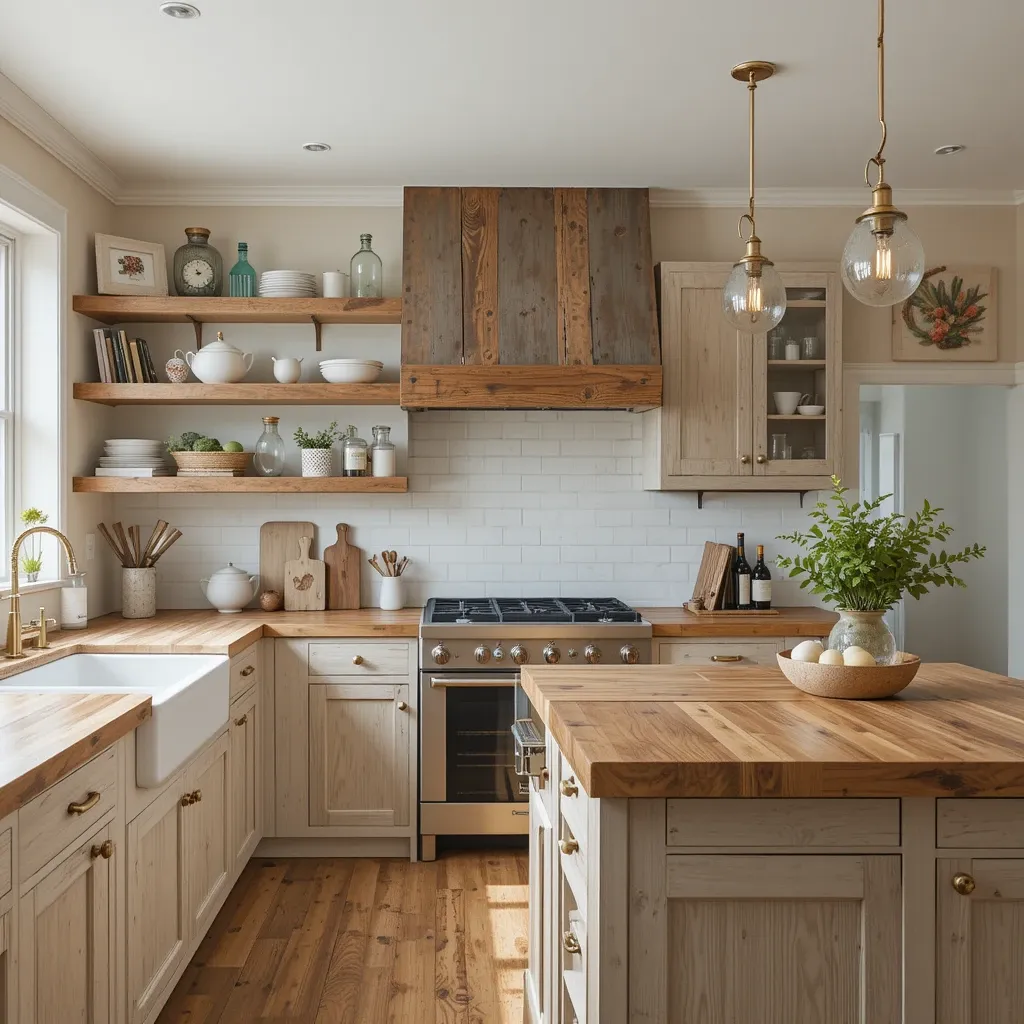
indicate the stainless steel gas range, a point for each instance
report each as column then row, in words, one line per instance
column 470, row 654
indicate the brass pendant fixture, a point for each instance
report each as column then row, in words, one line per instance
column 754, row 298
column 883, row 260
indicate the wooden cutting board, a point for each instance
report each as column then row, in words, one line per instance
column 344, row 567
column 710, row 585
column 278, row 543
column 304, row 579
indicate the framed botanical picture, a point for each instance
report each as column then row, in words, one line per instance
column 126, row 266
column 951, row 317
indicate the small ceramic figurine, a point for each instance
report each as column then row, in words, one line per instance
column 176, row 370
column 271, row 601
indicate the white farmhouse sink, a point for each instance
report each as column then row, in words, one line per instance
column 189, row 692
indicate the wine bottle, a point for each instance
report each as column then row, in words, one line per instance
column 741, row 576
column 761, row 582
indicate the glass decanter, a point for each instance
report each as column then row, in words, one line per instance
column 242, row 279
column 366, row 271
column 268, row 455
column 355, row 454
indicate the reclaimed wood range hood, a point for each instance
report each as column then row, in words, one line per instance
column 529, row 298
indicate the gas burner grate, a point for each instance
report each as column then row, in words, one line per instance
column 600, row 609
column 538, row 609
column 471, row 610
column 533, row 609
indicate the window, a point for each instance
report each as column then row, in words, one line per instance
column 7, row 468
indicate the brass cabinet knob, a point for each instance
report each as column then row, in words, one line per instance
column 403, row 706
column 568, row 846
column 104, row 850
column 761, row 460
column 744, row 459
column 570, row 943
column 186, row 799
column 86, row 805
column 357, row 659
column 197, row 795
column 964, row 884
column 247, row 671
column 243, row 719
column 569, row 787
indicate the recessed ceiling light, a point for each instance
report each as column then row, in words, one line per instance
column 174, row 9
column 949, row 150
column 316, row 147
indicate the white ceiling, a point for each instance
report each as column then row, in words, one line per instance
column 626, row 92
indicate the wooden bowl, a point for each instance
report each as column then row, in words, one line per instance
column 199, row 463
column 846, row 682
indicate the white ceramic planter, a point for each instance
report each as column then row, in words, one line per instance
column 138, row 593
column 391, row 595
column 316, row 461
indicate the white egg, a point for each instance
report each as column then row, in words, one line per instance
column 857, row 657
column 831, row 658
column 808, row 650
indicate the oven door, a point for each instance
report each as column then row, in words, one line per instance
column 467, row 754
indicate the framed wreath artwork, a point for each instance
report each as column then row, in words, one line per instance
column 951, row 317
column 126, row 266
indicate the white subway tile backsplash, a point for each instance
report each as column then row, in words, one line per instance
column 500, row 503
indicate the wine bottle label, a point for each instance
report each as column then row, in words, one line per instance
column 355, row 458
column 744, row 590
column 761, row 590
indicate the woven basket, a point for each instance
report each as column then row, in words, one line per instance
column 234, row 461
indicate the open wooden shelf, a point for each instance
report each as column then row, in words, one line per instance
column 241, row 485
column 181, row 309
column 796, row 364
column 238, row 394
column 805, row 303
column 796, row 416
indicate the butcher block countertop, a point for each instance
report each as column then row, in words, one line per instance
column 675, row 731
column 44, row 736
column 678, row 622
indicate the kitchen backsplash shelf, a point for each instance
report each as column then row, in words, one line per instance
column 238, row 394
column 241, row 485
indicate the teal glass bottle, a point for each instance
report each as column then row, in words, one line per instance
column 366, row 272
column 242, row 279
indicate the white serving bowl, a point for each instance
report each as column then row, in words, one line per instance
column 810, row 410
column 350, row 371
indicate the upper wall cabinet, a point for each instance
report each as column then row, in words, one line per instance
column 746, row 412
column 529, row 298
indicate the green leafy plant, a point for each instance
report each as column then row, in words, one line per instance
column 861, row 561
column 32, row 554
column 325, row 439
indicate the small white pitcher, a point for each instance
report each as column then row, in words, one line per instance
column 287, row 370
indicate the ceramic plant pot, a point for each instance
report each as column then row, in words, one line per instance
column 316, row 461
column 864, row 629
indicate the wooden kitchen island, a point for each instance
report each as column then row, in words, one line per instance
column 714, row 846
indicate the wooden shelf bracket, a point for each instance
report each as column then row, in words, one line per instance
column 197, row 326
column 318, row 328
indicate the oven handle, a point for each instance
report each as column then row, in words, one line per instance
column 450, row 682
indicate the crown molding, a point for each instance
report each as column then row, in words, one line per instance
column 28, row 117
column 859, row 198
column 261, row 195
column 930, row 372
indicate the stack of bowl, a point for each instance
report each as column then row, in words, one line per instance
column 350, row 371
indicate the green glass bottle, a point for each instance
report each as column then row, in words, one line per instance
column 242, row 279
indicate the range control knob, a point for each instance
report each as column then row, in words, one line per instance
column 441, row 654
column 552, row 655
column 571, row 652
column 592, row 653
column 519, row 654
column 629, row 654
column 482, row 655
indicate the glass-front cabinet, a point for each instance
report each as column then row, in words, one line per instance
column 746, row 412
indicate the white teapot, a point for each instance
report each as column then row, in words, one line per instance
column 230, row 589
column 219, row 362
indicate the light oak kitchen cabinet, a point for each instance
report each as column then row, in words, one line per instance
column 246, row 759
column 718, row 415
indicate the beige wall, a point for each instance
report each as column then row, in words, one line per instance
column 87, row 213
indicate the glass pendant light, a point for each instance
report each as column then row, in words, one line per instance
column 883, row 261
column 754, row 299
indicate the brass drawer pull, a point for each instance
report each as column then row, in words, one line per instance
column 726, row 657
column 568, row 846
column 104, row 850
column 569, row 787
column 357, row 659
column 570, row 943
column 964, row 884
column 247, row 671
column 86, row 805
column 243, row 719
column 402, row 706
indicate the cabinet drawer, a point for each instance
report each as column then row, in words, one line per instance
column 769, row 822
column 65, row 811
column 996, row 823
column 572, row 805
column 359, row 659
column 723, row 652
column 245, row 670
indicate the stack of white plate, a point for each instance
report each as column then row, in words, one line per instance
column 350, row 371
column 127, row 456
column 287, row 284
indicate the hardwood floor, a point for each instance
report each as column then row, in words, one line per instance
column 364, row 942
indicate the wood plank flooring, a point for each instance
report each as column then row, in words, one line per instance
column 316, row 941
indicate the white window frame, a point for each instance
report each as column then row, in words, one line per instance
column 8, row 340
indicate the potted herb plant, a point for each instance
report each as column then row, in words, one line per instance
column 317, row 449
column 32, row 552
column 863, row 563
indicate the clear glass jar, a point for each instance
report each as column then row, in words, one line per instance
column 242, row 279
column 777, row 344
column 268, row 455
column 382, row 454
column 366, row 272
column 864, row 629
column 355, row 454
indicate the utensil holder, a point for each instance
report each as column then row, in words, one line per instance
column 391, row 595
column 138, row 593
